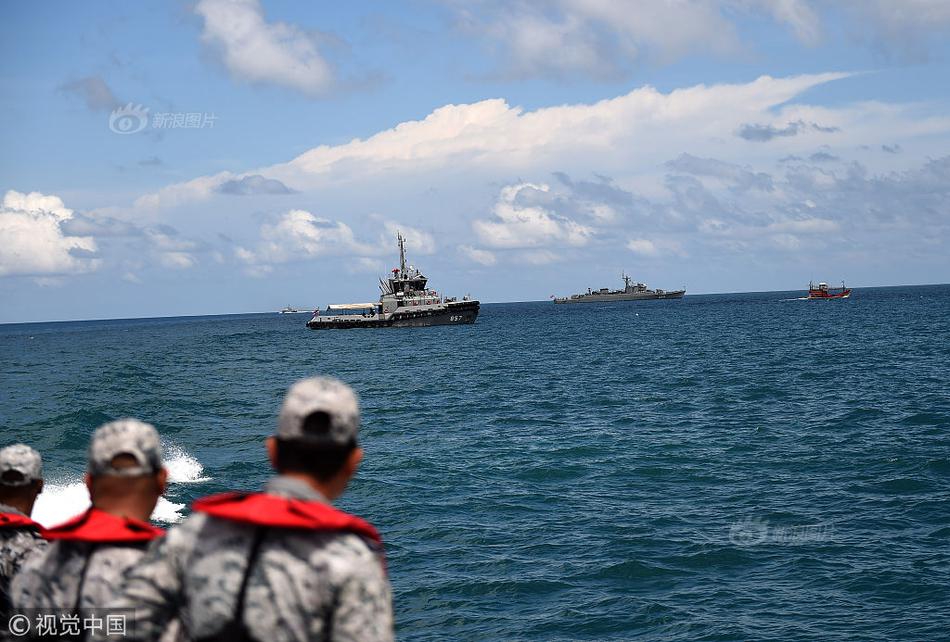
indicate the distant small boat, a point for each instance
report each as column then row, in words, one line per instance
column 293, row 310
column 822, row 291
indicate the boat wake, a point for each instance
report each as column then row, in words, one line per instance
column 64, row 497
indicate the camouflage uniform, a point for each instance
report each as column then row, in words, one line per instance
column 302, row 585
column 17, row 543
column 86, row 574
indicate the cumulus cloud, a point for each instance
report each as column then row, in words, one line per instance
column 643, row 247
column 417, row 241
column 594, row 37
column 94, row 91
column 823, row 157
column 604, row 38
column 298, row 235
column 738, row 177
column 492, row 136
column 253, row 184
column 170, row 249
column 260, row 52
column 516, row 224
column 762, row 133
column 32, row 239
column 483, row 257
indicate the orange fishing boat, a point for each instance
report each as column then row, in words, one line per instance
column 822, row 291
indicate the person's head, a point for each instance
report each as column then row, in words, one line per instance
column 21, row 477
column 316, row 436
column 125, row 475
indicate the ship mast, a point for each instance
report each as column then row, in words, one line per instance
column 402, row 254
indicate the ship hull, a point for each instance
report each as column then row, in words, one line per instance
column 826, row 295
column 455, row 313
column 623, row 296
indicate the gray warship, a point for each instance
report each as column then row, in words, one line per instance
column 630, row 292
column 404, row 302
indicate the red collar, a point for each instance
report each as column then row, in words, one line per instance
column 283, row 512
column 16, row 520
column 99, row 526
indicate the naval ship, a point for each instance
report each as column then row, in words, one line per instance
column 404, row 302
column 630, row 292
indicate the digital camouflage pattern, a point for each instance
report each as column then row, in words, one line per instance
column 16, row 546
column 320, row 394
column 22, row 459
column 125, row 437
column 305, row 585
column 52, row 579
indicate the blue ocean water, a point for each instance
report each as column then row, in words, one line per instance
column 727, row 467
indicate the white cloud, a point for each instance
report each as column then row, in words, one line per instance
column 517, row 225
column 298, row 235
column 714, row 194
column 33, row 242
column 177, row 260
column 604, row 38
column 491, row 136
column 417, row 241
column 477, row 255
column 599, row 37
column 262, row 52
column 170, row 249
column 643, row 247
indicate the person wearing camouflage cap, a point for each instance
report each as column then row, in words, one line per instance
column 21, row 481
column 88, row 555
column 282, row 564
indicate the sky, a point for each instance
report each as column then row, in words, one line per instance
column 220, row 156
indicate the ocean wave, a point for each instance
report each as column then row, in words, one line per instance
column 182, row 467
column 66, row 497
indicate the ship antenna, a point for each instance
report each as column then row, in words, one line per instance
column 402, row 253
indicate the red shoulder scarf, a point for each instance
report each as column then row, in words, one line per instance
column 283, row 512
column 99, row 526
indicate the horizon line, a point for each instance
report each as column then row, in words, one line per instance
column 231, row 314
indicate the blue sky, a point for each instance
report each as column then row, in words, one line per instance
column 525, row 148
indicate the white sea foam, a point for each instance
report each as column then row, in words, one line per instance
column 182, row 467
column 64, row 498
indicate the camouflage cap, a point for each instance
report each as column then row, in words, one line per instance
column 320, row 395
column 22, row 459
column 125, row 437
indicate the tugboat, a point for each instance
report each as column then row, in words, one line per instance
column 630, row 292
column 822, row 291
column 404, row 302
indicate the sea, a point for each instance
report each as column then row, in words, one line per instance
column 723, row 467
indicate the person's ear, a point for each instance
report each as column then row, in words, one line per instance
column 271, row 444
column 88, row 479
column 39, row 487
column 353, row 461
column 162, row 478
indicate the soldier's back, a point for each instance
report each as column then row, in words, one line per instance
column 300, row 584
column 56, row 577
